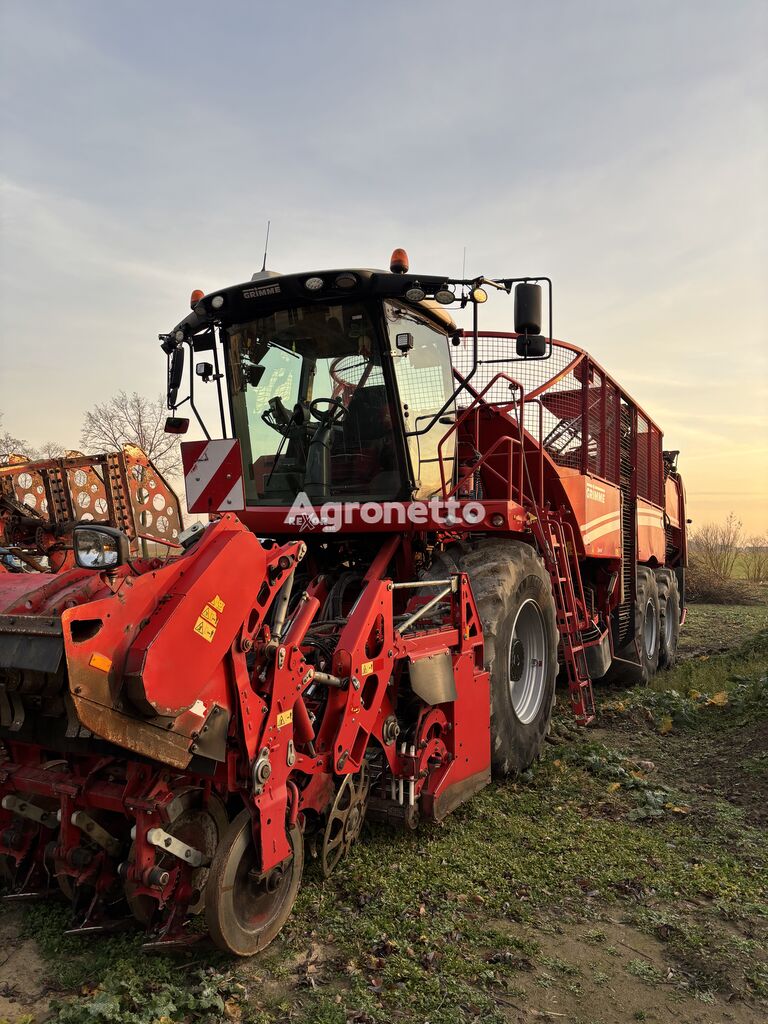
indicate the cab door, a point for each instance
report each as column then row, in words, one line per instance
column 424, row 379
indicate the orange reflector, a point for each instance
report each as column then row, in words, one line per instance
column 398, row 264
column 195, row 297
column 101, row 662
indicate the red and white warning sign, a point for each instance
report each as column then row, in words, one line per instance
column 213, row 475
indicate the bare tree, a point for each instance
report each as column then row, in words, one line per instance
column 754, row 558
column 51, row 450
column 132, row 419
column 715, row 547
column 11, row 445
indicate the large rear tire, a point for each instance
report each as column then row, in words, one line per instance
column 514, row 598
column 669, row 617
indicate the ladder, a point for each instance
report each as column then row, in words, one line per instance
column 553, row 534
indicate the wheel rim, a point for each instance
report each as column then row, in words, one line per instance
column 649, row 629
column 527, row 661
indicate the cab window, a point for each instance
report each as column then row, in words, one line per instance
column 424, row 377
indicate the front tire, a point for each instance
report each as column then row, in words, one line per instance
column 514, row 598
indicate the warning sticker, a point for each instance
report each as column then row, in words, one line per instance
column 205, row 629
column 284, row 718
column 366, row 668
column 210, row 615
column 208, row 619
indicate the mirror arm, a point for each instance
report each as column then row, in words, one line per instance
column 218, row 382
column 462, row 386
column 191, row 395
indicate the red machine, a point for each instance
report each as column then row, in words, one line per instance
column 41, row 502
column 413, row 530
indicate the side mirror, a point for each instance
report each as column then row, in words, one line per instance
column 99, row 547
column 528, row 321
column 531, row 346
column 252, row 374
column 528, row 308
column 176, row 425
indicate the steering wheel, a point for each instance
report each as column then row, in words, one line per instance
column 333, row 415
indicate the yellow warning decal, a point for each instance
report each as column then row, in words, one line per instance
column 366, row 668
column 205, row 629
column 210, row 615
column 208, row 619
column 284, row 718
column 101, row 662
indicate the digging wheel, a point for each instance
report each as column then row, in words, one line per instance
column 202, row 827
column 345, row 819
column 244, row 910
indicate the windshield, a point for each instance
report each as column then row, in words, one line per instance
column 310, row 406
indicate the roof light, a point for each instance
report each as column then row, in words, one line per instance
column 195, row 297
column 179, row 336
column 346, row 281
column 398, row 263
column 313, row 284
column 217, row 301
column 479, row 295
column 444, row 296
column 415, row 293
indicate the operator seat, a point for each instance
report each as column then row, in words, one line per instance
column 367, row 431
column 367, row 416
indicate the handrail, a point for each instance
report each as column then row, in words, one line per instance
column 472, row 409
column 505, row 438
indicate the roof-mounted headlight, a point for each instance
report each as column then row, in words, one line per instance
column 444, row 296
column 415, row 293
column 345, row 281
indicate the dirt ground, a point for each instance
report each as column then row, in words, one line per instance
column 24, row 975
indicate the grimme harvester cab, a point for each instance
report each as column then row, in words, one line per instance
column 413, row 531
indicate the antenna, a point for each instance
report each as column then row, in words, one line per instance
column 266, row 246
column 464, row 264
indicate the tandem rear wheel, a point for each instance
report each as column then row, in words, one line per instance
column 669, row 617
column 653, row 645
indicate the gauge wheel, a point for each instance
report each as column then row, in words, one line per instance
column 244, row 912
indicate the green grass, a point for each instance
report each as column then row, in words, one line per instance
column 711, row 628
column 453, row 923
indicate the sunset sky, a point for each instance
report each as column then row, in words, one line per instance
column 619, row 147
